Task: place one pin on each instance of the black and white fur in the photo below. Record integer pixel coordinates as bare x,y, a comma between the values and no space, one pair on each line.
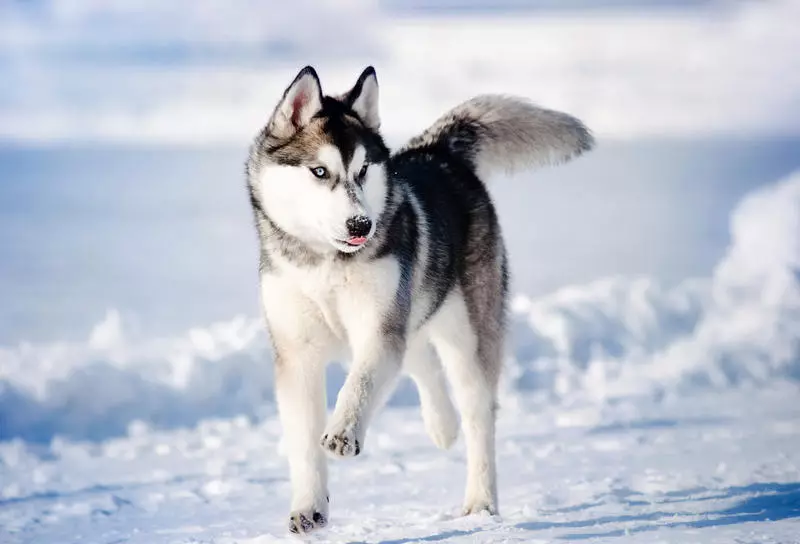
421,289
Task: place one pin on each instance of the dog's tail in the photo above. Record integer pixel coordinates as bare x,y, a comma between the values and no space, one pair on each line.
506,133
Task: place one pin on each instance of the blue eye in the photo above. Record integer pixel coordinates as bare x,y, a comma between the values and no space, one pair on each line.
320,171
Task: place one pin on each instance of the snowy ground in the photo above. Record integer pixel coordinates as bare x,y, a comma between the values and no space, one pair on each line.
720,468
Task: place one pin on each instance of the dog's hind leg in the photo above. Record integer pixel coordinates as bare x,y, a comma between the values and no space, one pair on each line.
438,414
458,344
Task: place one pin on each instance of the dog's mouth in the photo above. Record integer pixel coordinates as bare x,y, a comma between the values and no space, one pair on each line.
356,241
352,244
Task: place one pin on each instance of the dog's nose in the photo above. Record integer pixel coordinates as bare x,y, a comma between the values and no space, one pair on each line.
358,226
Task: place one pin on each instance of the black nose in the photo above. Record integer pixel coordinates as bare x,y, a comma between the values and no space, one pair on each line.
359,225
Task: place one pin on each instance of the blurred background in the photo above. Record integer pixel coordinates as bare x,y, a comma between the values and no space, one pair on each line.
666,260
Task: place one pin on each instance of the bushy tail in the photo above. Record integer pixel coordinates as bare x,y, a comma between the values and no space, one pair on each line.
506,133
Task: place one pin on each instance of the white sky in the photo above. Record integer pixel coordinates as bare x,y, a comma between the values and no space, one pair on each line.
202,71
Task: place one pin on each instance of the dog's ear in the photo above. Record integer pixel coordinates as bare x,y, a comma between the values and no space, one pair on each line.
363,98
301,100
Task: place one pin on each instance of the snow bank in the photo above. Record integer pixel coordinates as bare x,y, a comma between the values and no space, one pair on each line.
96,389
614,337
622,337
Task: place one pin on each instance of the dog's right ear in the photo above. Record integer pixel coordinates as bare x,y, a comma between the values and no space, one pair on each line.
301,100
363,98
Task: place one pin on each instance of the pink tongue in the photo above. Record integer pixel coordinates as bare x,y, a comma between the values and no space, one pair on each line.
357,240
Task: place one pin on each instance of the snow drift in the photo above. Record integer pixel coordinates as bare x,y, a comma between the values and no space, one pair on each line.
621,337
614,337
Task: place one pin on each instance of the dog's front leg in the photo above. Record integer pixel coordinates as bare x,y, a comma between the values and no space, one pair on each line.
371,377
302,344
375,316
300,394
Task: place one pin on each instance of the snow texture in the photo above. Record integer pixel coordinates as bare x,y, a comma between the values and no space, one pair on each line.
618,336
719,468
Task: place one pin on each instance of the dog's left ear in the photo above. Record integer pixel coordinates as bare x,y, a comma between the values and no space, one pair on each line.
301,100
363,98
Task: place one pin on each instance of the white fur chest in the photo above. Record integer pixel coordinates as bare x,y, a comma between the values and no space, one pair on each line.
321,284
351,297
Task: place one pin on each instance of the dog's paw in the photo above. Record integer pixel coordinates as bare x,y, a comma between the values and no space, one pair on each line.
479,507
307,521
341,442
441,424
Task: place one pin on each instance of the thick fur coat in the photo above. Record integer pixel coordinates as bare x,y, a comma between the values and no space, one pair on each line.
394,260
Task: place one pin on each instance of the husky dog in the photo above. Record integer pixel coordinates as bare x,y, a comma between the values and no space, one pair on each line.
394,259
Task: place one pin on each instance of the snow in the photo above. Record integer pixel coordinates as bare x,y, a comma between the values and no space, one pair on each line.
628,409
715,468
741,326
222,369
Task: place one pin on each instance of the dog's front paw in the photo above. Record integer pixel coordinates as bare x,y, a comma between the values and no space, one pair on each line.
341,441
307,521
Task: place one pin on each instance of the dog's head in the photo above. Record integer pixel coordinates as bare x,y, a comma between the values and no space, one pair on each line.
317,168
